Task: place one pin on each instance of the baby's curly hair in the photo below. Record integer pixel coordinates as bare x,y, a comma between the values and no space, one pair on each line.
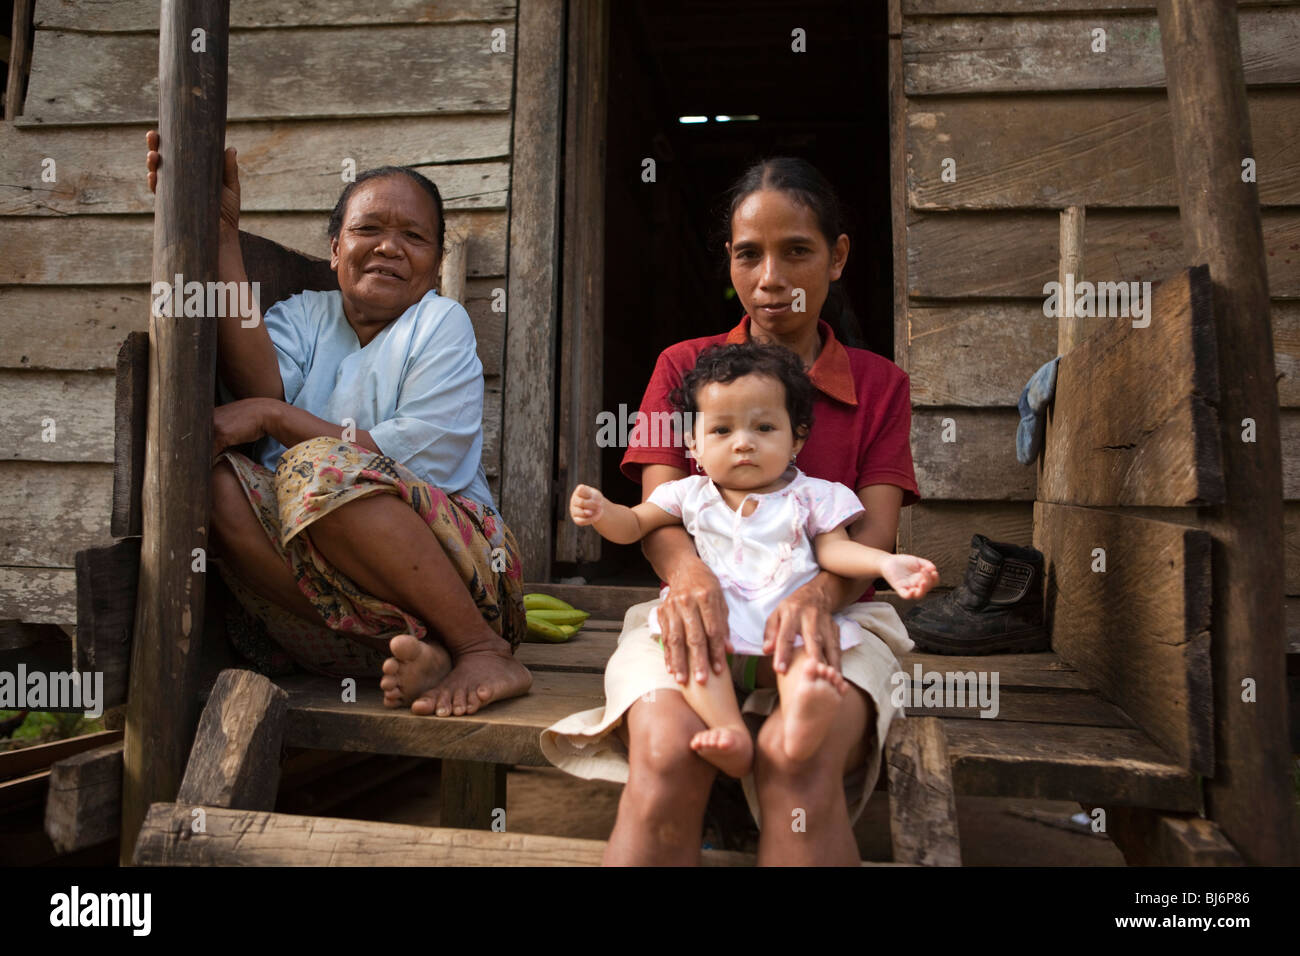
726,363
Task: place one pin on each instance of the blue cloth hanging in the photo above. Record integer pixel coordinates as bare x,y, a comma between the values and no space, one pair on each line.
1033,422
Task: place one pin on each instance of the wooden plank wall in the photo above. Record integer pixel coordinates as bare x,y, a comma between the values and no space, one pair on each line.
310,86
1034,120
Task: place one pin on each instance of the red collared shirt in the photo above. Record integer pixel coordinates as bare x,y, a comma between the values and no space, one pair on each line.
862,416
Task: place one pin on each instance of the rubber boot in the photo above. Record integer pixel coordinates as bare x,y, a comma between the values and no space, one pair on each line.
997,609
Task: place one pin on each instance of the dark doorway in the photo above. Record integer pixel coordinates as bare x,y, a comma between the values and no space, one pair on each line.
665,274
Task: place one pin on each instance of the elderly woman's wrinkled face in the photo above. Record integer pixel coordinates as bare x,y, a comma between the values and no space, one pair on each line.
386,254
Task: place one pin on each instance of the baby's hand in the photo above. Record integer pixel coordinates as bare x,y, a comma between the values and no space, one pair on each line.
909,575
587,505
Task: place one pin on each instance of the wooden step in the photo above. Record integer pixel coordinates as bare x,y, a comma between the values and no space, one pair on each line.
257,838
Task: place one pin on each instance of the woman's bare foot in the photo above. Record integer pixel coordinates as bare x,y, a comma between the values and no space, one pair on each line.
477,677
811,706
730,749
415,667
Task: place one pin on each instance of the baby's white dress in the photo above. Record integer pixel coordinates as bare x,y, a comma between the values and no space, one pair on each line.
763,557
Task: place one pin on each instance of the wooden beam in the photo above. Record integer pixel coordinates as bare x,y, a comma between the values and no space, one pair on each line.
1134,421
1069,331
130,418
169,613
247,838
453,268
235,761
84,805
532,287
1152,838
1250,795
19,763
280,271
473,794
922,805
582,334
20,58
1137,627
107,584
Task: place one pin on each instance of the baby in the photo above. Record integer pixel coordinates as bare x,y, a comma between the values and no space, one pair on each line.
764,528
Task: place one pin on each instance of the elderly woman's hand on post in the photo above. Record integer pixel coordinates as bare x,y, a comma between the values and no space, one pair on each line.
229,267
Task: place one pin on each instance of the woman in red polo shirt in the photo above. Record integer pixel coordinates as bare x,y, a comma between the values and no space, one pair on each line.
787,246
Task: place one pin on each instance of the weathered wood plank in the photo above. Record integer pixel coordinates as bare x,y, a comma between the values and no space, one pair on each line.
280,272
130,412
922,805
473,794
81,328
1114,766
941,531
52,511
290,166
107,581
1149,838
505,733
1139,629
978,462
58,416
142,15
534,247
235,760
83,806
1134,419
1053,150
116,249
979,54
982,353
20,763
446,68
38,595
247,838
1013,255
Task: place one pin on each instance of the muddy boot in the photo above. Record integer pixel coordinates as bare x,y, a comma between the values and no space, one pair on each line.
998,609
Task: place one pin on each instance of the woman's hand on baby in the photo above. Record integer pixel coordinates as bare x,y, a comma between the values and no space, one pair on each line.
693,619
807,613
587,505
908,575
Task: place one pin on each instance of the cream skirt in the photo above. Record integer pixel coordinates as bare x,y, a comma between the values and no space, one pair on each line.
585,744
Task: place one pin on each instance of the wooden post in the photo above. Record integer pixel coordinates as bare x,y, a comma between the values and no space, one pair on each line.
20,58
582,330
528,402
1069,329
1250,795
453,268
162,709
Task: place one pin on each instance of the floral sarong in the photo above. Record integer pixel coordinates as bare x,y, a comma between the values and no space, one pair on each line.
313,479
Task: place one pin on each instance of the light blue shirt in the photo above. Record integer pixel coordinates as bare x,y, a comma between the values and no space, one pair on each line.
417,386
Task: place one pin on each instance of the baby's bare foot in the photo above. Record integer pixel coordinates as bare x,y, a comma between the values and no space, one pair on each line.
415,667
811,708
730,749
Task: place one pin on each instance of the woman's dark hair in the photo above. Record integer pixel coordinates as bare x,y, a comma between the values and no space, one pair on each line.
726,363
383,172
803,183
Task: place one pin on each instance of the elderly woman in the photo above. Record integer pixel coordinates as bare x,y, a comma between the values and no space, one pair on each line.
364,538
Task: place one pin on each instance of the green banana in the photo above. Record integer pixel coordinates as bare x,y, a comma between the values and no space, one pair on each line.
544,602
548,632
560,617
